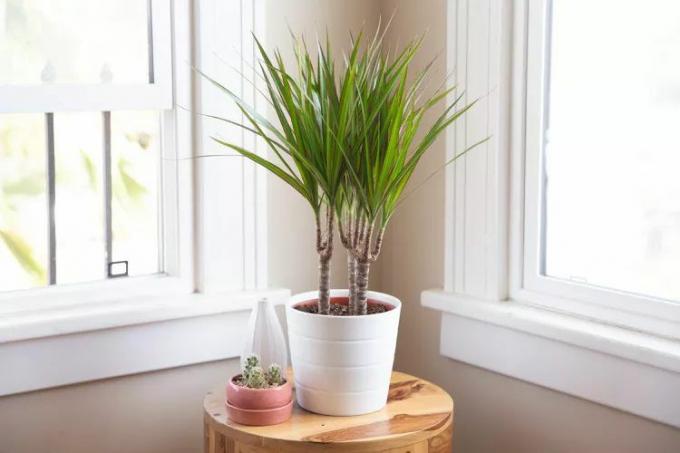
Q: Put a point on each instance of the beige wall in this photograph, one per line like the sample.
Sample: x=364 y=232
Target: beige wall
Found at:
x=161 y=412
x=147 y=413
x=493 y=412
x=292 y=262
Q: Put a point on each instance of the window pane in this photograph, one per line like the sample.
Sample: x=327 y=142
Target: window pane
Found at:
x=23 y=202
x=612 y=156
x=79 y=197
x=135 y=151
x=74 y=41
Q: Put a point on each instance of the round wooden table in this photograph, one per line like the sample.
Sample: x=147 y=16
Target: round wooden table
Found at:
x=418 y=418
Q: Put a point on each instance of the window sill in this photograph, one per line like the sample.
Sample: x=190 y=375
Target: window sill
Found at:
x=127 y=311
x=627 y=370
x=80 y=342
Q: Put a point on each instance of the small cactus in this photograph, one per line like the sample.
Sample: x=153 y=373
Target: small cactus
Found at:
x=274 y=375
x=257 y=378
x=254 y=377
x=251 y=361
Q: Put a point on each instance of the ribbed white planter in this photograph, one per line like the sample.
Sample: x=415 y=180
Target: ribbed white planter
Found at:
x=342 y=364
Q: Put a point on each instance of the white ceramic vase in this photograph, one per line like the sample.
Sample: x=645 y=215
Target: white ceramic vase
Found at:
x=342 y=364
x=265 y=337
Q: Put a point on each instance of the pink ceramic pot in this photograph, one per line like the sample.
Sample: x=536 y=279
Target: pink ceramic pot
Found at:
x=263 y=417
x=258 y=399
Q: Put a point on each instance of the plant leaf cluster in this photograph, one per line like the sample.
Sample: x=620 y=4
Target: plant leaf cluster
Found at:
x=389 y=135
x=348 y=141
x=311 y=111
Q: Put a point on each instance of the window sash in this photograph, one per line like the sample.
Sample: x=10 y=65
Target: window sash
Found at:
x=657 y=316
x=175 y=180
x=174 y=226
x=156 y=95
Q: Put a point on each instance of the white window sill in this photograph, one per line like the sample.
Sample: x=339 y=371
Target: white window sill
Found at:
x=624 y=369
x=78 y=342
x=85 y=316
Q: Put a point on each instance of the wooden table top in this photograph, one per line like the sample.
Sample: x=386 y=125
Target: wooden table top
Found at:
x=416 y=410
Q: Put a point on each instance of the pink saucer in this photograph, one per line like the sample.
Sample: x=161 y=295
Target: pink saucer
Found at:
x=259 y=417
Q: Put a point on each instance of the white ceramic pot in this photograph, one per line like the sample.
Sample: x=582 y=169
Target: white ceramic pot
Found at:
x=342 y=364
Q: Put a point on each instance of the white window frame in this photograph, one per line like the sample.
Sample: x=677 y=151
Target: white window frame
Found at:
x=214 y=222
x=645 y=313
x=596 y=344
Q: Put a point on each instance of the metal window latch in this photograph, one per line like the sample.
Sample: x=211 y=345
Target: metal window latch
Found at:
x=117 y=269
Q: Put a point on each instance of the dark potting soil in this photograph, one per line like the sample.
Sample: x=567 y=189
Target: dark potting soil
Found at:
x=339 y=307
x=238 y=380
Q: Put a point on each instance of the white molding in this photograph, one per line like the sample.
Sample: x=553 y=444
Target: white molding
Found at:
x=255 y=177
x=124 y=310
x=95 y=341
x=231 y=200
x=478 y=51
x=102 y=291
x=177 y=171
x=162 y=17
x=261 y=104
x=450 y=224
x=517 y=142
x=248 y=67
x=627 y=370
x=624 y=343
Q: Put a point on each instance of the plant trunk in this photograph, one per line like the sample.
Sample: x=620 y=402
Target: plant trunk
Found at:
x=352 y=279
x=362 y=285
x=324 y=285
x=325 y=250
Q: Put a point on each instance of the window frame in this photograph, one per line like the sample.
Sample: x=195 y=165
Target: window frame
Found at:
x=101 y=97
x=645 y=313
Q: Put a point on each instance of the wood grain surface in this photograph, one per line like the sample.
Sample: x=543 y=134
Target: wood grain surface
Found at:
x=418 y=418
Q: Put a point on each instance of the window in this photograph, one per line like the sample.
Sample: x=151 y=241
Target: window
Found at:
x=101 y=118
x=572 y=94
x=84 y=99
x=602 y=196
x=625 y=154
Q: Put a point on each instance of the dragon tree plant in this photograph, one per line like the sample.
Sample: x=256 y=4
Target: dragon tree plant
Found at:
x=347 y=142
